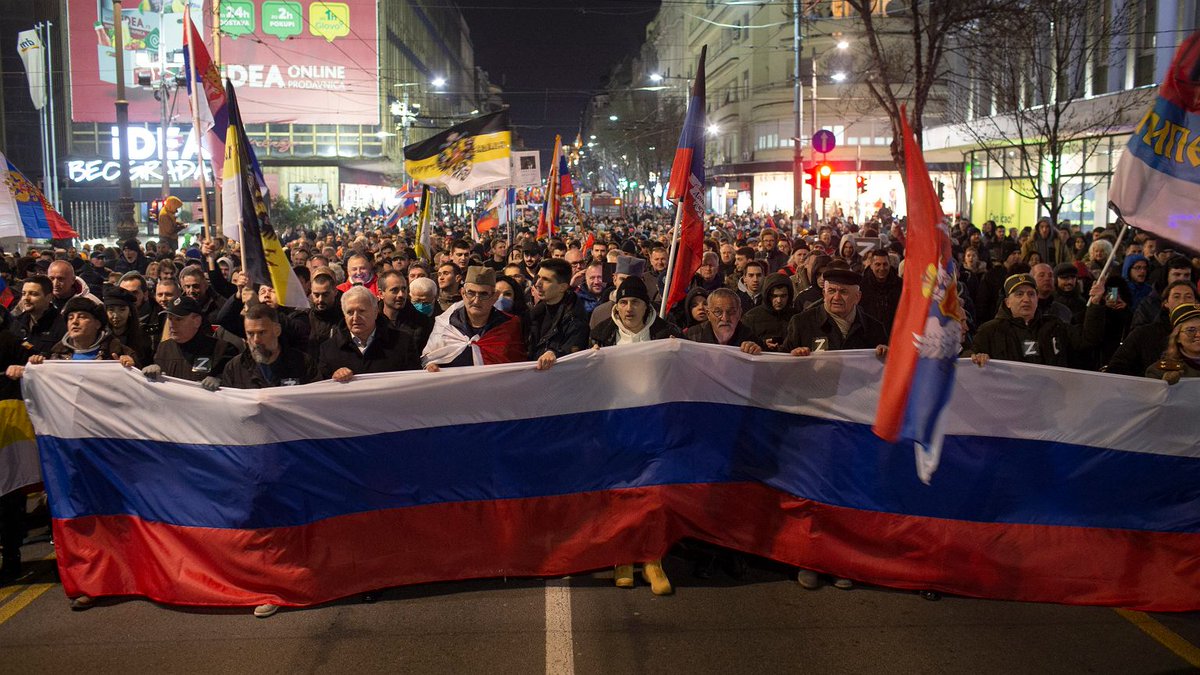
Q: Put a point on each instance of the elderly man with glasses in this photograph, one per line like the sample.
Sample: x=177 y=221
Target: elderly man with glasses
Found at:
x=473 y=331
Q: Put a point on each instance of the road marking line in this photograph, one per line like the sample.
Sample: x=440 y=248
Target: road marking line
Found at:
x=9 y=590
x=560 y=647
x=1165 y=636
x=19 y=603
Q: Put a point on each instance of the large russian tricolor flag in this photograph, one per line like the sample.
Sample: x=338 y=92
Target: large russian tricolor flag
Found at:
x=1156 y=184
x=1057 y=485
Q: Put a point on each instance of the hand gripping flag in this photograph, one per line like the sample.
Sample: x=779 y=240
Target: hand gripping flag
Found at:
x=212 y=108
x=1156 y=184
x=245 y=191
x=927 y=332
x=24 y=211
x=686 y=189
x=464 y=157
x=552 y=207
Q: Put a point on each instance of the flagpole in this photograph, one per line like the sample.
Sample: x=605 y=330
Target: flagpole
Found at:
x=187 y=20
x=218 y=198
x=1120 y=236
x=662 y=310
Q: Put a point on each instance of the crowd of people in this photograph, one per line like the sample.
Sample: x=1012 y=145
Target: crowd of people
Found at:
x=1038 y=295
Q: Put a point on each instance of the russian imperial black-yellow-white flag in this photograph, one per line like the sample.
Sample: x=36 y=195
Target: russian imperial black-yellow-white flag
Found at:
x=245 y=197
x=464 y=157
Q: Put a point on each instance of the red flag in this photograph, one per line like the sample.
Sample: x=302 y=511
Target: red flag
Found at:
x=687 y=191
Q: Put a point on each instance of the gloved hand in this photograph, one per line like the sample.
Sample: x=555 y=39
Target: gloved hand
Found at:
x=211 y=383
x=152 y=372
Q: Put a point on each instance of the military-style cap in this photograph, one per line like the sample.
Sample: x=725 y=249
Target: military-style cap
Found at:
x=481 y=276
x=1016 y=280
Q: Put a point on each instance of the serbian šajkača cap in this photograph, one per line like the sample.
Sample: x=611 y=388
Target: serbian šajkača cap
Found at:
x=1184 y=313
x=481 y=276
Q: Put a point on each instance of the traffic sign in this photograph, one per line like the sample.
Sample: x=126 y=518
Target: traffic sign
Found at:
x=823 y=141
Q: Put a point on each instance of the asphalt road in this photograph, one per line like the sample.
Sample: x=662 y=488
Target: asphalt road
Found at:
x=762 y=622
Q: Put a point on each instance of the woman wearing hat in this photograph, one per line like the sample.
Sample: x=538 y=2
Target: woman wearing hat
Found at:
x=634 y=320
x=1182 y=358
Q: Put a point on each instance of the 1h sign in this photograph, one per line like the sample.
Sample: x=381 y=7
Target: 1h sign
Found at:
x=823 y=141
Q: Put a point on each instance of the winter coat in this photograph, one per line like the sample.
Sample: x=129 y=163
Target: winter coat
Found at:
x=292 y=367
x=561 y=328
x=815 y=329
x=389 y=351
x=1046 y=340
x=769 y=325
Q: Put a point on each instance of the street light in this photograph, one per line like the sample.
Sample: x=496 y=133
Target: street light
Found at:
x=655 y=77
x=613 y=118
x=438 y=82
x=839 y=76
x=843 y=45
x=713 y=129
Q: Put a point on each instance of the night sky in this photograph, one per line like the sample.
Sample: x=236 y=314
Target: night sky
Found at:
x=550 y=56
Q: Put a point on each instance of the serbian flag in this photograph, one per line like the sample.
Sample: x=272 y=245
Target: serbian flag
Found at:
x=551 y=208
x=212 y=109
x=246 y=205
x=1156 y=186
x=24 y=211
x=565 y=186
x=927 y=332
x=687 y=191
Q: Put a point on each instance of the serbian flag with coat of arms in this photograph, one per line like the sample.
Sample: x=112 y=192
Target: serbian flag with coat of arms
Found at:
x=24 y=211
x=686 y=189
x=1156 y=185
x=213 y=107
x=927 y=332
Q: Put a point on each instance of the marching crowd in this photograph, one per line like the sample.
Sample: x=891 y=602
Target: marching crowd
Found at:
x=1038 y=295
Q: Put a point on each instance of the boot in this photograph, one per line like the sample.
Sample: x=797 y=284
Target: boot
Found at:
x=654 y=575
x=623 y=576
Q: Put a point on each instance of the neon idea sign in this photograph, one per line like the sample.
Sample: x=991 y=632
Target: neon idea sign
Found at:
x=183 y=163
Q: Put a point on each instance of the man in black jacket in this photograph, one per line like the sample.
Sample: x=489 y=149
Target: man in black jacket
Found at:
x=1024 y=335
x=365 y=345
x=393 y=295
x=557 y=324
x=324 y=313
x=265 y=362
x=838 y=322
x=39 y=327
x=881 y=288
x=190 y=351
x=724 y=325
x=769 y=321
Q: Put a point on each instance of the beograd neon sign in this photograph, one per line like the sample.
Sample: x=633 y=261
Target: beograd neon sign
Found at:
x=145 y=165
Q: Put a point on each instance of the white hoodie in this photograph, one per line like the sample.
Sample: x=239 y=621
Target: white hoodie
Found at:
x=625 y=336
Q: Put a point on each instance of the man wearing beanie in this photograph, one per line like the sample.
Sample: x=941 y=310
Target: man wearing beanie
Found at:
x=1026 y=336
x=88 y=338
x=633 y=319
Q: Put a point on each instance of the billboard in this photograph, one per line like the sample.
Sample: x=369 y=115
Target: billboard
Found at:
x=291 y=62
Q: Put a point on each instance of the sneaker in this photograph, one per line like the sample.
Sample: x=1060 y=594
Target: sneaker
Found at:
x=809 y=580
x=82 y=603
x=654 y=575
x=263 y=611
x=623 y=576
x=843 y=584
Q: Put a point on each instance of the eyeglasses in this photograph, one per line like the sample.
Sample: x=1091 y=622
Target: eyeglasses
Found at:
x=477 y=295
x=722 y=312
x=1191 y=331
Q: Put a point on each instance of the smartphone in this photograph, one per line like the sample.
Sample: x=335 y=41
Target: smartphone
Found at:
x=1113 y=295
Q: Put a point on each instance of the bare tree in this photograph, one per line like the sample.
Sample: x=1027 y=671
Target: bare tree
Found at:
x=904 y=58
x=1028 y=72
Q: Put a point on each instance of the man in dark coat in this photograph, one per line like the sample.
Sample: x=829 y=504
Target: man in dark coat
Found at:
x=769 y=321
x=190 y=352
x=724 y=325
x=1021 y=334
x=366 y=345
x=881 y=288
x=557 y=323
x=838 y=322
x=265 y=362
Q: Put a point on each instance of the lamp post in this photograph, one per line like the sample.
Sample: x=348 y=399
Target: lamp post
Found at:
x=123 y=217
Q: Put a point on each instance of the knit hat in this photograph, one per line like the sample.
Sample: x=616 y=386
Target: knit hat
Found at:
x=131 y=245
x=842 y=276
x=632 y=287
x=1184 y=313
x=1016 y=280
x=78 y=304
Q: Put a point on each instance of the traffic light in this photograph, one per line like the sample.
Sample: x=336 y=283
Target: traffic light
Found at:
x=810 y=176
x=941 y=190
x=824 y=171
x=862 y=184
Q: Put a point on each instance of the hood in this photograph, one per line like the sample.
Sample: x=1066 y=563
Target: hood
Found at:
x=773 y=281
x=101 y=338
x=625 y=336
x=688 y=321
x=846 y=239
x=1129 y=262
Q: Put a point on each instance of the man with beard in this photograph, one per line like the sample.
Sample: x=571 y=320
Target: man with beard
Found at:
x=324 y=313
x=266 y=363
x=190 y=351
x=393 y=288
x=724 y=325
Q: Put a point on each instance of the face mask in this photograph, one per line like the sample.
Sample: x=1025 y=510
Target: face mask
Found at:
x=425 y=308
x=504 y=304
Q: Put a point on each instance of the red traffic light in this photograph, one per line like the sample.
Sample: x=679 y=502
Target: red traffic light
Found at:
x=810 y=176
x=862 y=184
x=824 y=171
